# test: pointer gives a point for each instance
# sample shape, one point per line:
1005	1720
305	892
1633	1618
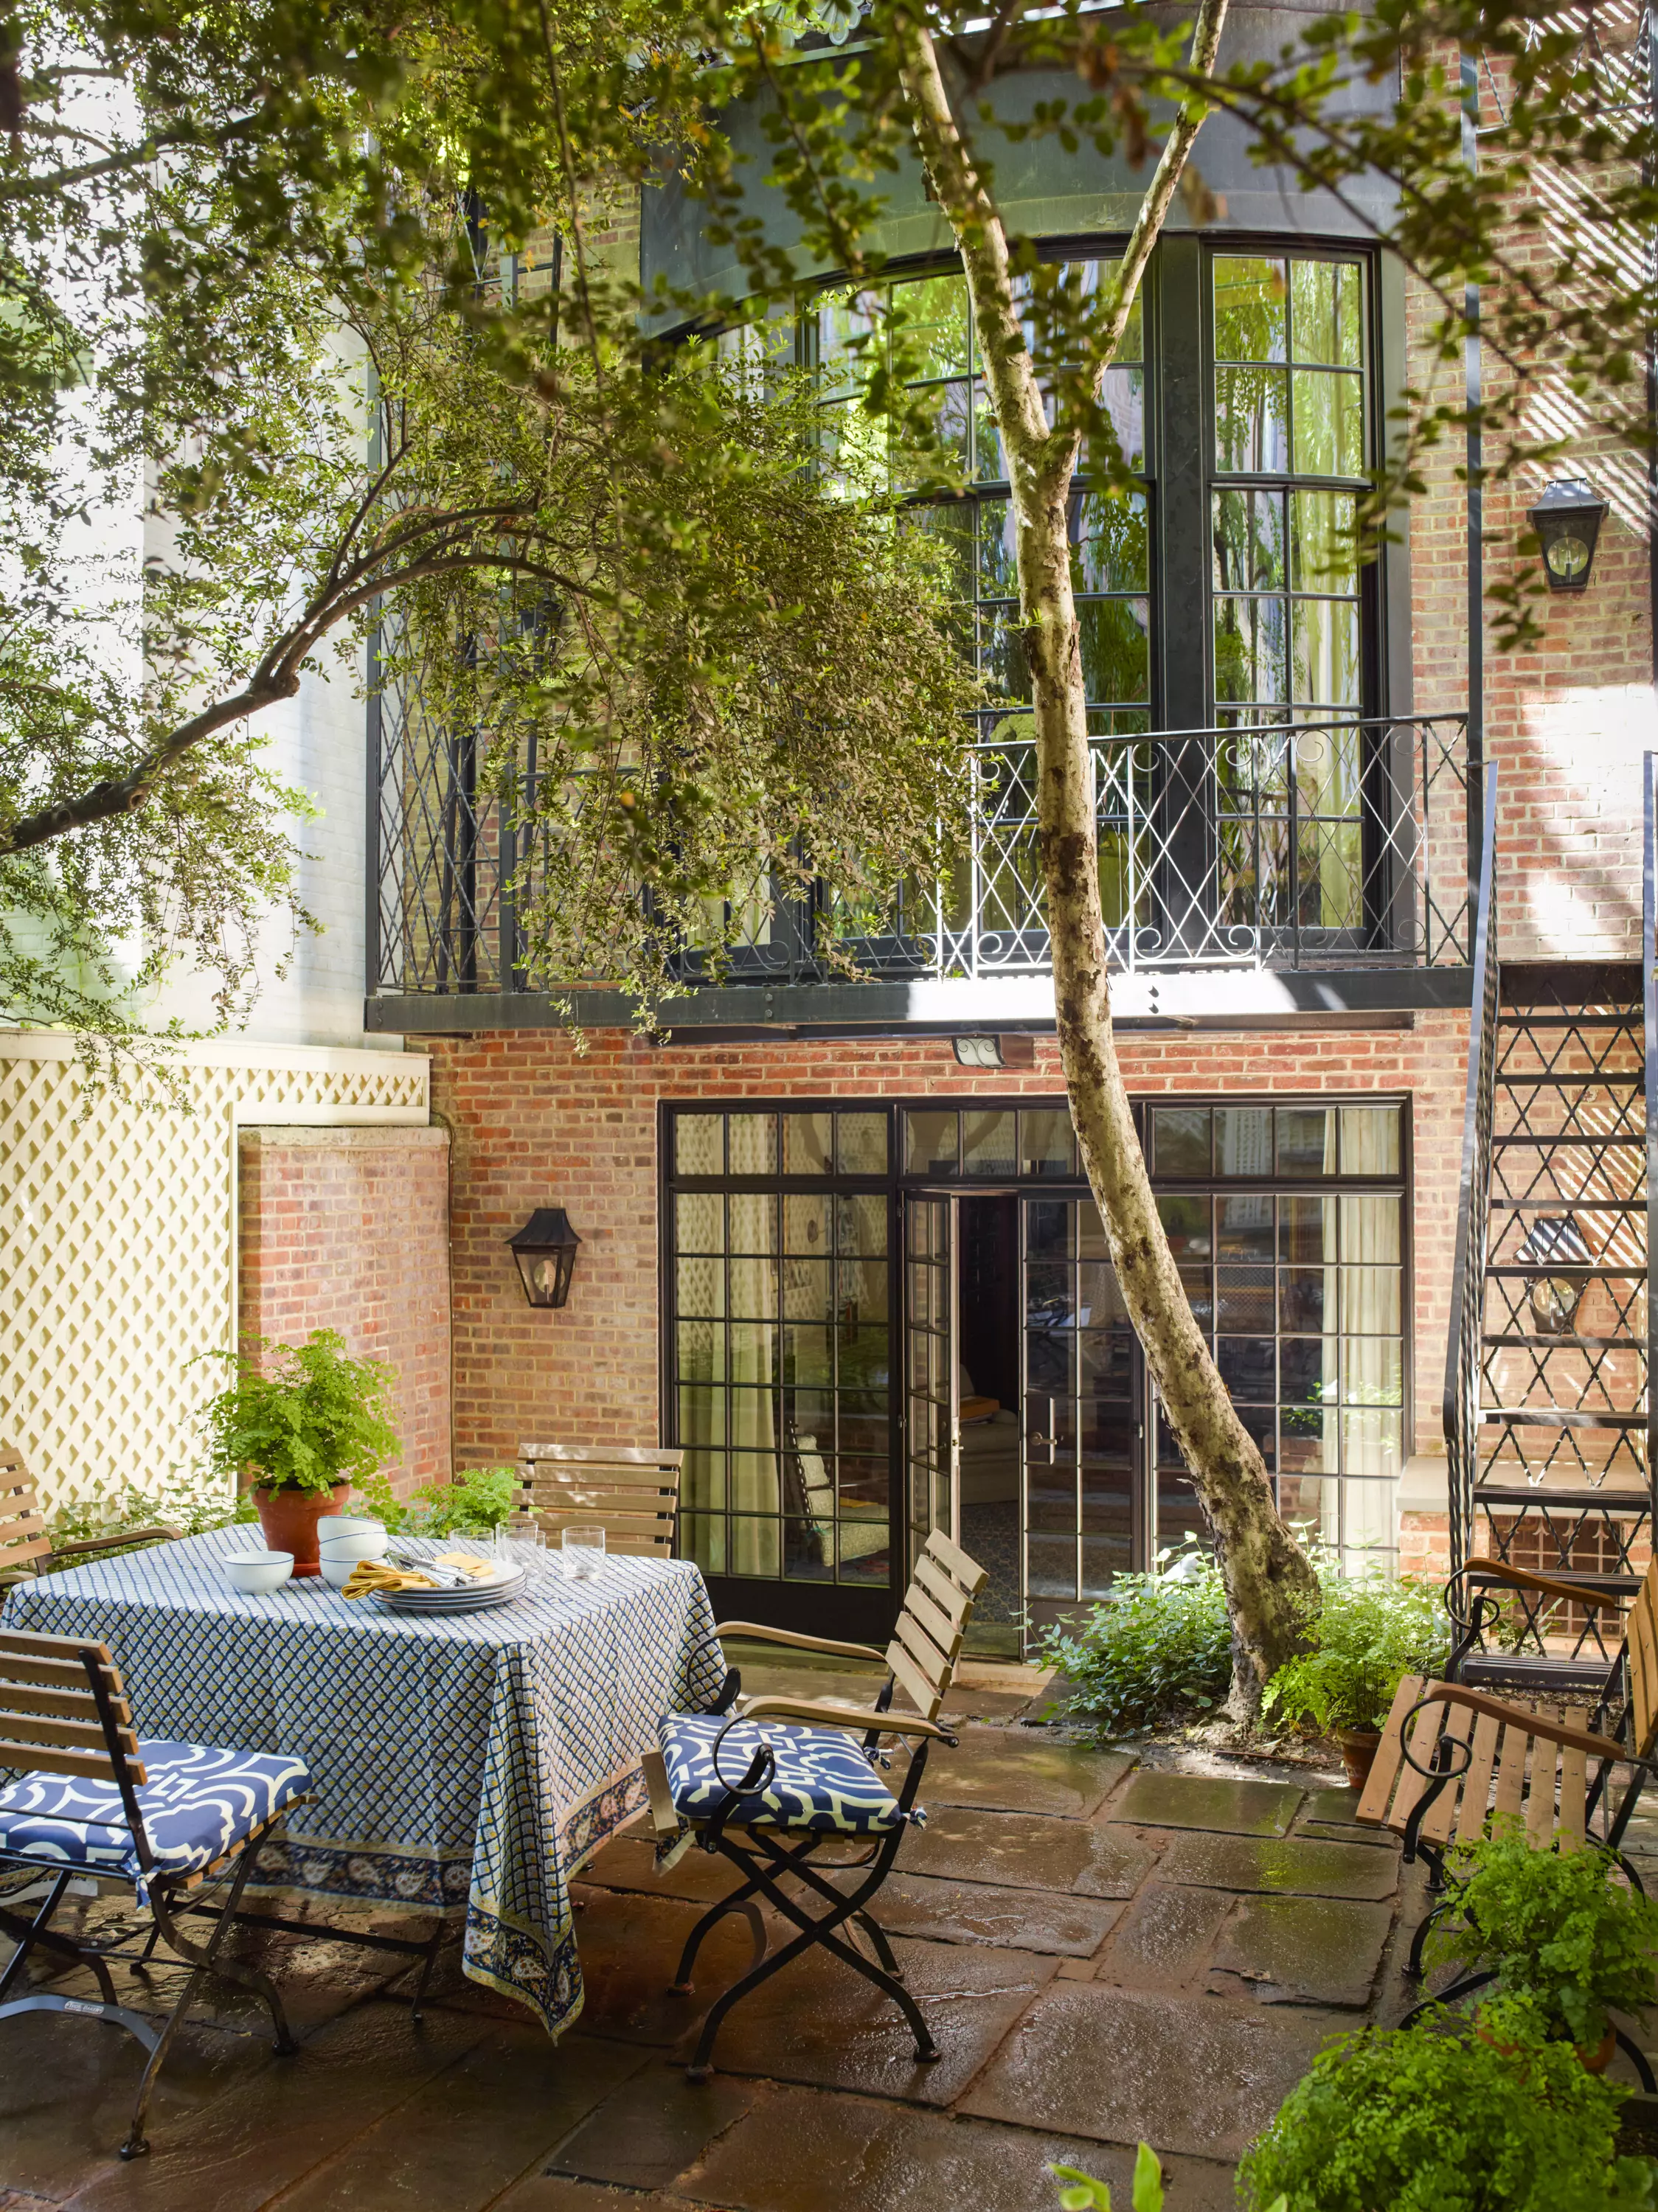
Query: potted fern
1365	1633
297	1425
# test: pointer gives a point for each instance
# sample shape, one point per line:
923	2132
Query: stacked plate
502	1586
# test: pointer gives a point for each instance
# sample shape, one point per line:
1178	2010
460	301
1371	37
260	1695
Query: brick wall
348	1228
534	1123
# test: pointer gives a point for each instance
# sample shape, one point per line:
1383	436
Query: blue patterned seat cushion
822	1779
199	1802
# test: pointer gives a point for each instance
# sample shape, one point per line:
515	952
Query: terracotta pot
1596	2061
1358	1753
290	1517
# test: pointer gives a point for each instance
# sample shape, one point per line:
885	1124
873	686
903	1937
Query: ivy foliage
300	1416
1562	1928
1419	2120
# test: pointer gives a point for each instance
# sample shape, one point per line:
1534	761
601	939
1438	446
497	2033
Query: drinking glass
583	1549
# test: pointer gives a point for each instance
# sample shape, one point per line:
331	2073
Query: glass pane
753	1139
808	1290
1371	1304
1052	1566
1180	1140
754	1215
701	1417
754	1289
1307	1231
700	1351
1370	1441
860	1290
1244	1228
753	1547
807	1144
1187	1223
702	1539
1307	1370
699	1221
806	1223
862	1138
807	1556
1306	1140
1326	312
930	1144
1324	653
998	550
1329	422
1246	1298
1109	551
1250	309
1369	1139
861	1224
1046	1146
1369	1523
808	1355
1372	1371
1123	398
754	1352
929	326
1243	1141
990	1143
705	1479
1323	552
864	1355
1301	1300
699	1286
1250	645
1251	421
1048	1227
700	1144
1248	533
1115	640
1369	1226
1248	1368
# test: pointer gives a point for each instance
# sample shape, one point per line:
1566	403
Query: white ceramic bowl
254	1571
336	1527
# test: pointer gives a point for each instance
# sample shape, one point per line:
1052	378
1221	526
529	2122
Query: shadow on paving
1105	1952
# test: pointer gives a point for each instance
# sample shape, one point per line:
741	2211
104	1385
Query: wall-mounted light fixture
1555	1240
544	1248
1566	521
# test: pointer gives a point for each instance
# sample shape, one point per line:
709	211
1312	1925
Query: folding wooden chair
174	1820
721	1780
633	1492
1452	1759
25	1544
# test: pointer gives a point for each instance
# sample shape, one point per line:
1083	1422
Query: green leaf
1147	2180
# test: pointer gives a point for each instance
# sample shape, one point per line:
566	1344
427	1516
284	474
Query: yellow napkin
468	1563
371	1575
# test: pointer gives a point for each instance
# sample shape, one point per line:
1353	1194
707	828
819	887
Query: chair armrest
1476	1701
1499	1570
123	1539
847	1717
797	1641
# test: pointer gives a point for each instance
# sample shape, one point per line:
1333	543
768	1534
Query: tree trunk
1267	1576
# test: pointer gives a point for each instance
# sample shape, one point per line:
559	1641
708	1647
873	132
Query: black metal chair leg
137	2144
1638	2058
1413	1966
884	1951
428	1964
208	1959
26	1938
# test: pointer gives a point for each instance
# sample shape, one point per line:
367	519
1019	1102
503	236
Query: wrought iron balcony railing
1334	844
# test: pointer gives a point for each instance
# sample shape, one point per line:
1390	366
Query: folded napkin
370	1576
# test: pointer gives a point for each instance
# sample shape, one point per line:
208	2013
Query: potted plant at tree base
1559	1929
1423	2119
1366	1632
297	1426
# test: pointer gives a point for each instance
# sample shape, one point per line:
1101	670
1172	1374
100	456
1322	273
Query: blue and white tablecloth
463	1765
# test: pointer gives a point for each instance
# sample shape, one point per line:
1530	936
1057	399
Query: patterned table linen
469	1763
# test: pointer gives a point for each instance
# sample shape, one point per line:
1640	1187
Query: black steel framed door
929	1367
1085	1472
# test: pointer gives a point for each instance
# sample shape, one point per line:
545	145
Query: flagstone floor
1109	1948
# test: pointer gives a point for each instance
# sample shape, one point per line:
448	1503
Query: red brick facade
348	1228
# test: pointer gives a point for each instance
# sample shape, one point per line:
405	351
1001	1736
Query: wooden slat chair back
64	1710
1641	1664
633	1491
932	1622
23	1535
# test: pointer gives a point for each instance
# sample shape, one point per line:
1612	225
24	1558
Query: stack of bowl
343	1539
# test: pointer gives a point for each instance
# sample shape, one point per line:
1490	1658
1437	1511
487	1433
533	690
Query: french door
932	1431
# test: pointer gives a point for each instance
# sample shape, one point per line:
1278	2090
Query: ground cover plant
1159	1649
1364	1632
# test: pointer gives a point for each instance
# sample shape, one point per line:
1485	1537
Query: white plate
416	1602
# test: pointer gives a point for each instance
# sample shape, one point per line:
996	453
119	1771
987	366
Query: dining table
464	1764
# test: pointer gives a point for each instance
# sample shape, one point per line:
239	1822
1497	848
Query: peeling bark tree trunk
1267	1575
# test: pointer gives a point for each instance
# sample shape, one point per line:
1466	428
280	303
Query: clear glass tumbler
584	1551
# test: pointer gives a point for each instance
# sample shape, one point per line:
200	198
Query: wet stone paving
1110	1947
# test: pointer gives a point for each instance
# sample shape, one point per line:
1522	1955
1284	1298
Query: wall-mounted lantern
1566	521
1555	1240
544	1248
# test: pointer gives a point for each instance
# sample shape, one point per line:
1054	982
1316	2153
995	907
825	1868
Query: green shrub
192	1501
1366	1632
1160	1647
1420	2120
476	1504
1552	1926
302	1416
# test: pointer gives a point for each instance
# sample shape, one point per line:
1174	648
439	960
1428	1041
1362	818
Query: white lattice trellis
118	1242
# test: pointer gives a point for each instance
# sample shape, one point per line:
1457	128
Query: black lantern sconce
1566	521
1554	1299
544	1248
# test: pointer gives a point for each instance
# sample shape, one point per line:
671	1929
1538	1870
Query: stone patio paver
1165	1938
974	1912
1029	1850
1021	1770
1241	1808
804	2152
1288	1864
1184	2074
1311	1950
656	2125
